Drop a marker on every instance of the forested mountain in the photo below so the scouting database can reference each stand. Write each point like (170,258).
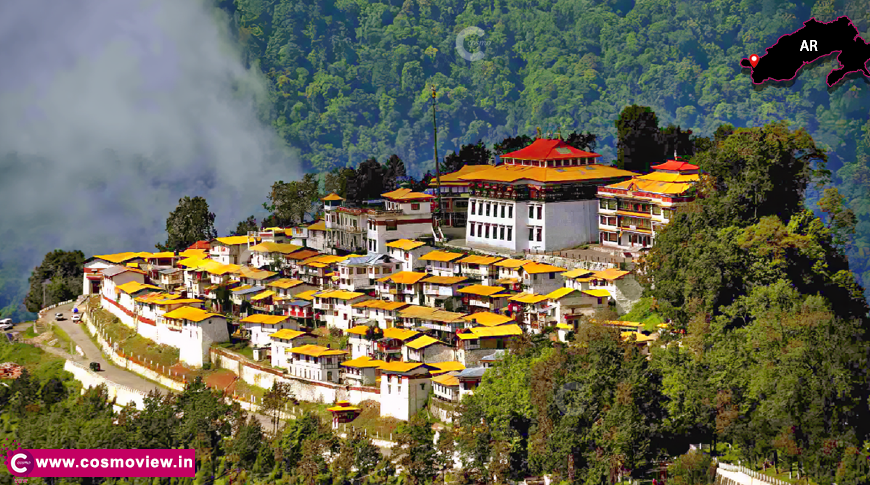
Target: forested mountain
(351,79)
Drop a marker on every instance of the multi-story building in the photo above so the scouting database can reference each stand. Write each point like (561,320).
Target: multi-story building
(317,236)
(454,195)
(621,285)
(271,254)
(317,363)
(384,312)
(540,278)
(407,215)
(192,331)
(543,197)
(285,339)
(482,298)
(480,268)
(442,263)
(361,273)
(405,387)
(404,286)
(335,307)
(409,253)
(232,249)
(441,291)
(632,212)
(478,342)
(261,327)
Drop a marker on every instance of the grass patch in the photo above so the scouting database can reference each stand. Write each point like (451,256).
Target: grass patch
(64,340)
(247,390)
(643,312)
(370,420)
(131,343)
(29,333)
(240,347)
(325,338)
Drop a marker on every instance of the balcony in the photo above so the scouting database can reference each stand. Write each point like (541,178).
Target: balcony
(377,213)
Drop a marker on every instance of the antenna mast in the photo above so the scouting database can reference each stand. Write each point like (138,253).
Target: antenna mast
(437,213)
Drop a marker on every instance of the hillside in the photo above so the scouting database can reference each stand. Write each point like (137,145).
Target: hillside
(350,79)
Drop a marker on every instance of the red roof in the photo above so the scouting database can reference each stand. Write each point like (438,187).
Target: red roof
(675,166)
(549,149)
(200,245)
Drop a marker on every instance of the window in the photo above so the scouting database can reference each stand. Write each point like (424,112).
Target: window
(603,220)
(471,225)
(472,207)
(487,209)
(552,276)
(360,271)
(392,225)
(531,234)
(502,211)
(540,233)
(656,210)
(510,229)
(531,212)
(510,212)
(487,232)
(415,207)
(539,212)
(479,230)
(501,233)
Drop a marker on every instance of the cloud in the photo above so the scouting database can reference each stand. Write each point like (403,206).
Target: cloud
(112,111)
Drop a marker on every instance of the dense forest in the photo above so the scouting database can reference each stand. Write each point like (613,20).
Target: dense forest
(351,80)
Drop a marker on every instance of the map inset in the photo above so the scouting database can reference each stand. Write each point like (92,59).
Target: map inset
(784,60)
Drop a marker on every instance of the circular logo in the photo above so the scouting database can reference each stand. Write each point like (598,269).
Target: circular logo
(20,463)
(565,399)
(460,43)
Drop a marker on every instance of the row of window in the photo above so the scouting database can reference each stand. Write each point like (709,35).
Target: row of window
(491,209)
(571,162)
(498,232)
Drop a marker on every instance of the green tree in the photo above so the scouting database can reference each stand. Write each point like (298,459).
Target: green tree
(476,154)
(275,401)
(692,468)
(191,221)
(62,270)
(415,450)
(289,202)
(639,140)
(245,446)
(249,224)
(336,181)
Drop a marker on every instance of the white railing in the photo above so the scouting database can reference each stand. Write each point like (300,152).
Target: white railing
(728,467)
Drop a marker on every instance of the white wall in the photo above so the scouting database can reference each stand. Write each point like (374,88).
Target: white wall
(403,403)
(516,223)
(569,224)
(122,394)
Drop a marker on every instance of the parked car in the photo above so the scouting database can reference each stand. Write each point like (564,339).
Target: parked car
(95,366)
(59,316)
(6,326)
(77,317)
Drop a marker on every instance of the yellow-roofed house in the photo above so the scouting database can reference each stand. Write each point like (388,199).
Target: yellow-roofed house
(317,363)
(360,273)
(623,289)
(446,392)
(427,349)
(260,327)
(270,255)
(404,286)
(335,307)
(480,268)
(408,252)
(442,291)
(442,322)
(317,236)
(405,388)
(408,215)
(94,266)
(542,198)
(285,339)
(232,249)
(531,310)
(482,298)
(192,331)
(541,278)
(632,212)
(361,371)
(569,305)
(478,342)
(384,312)
(149,308)
(442,263)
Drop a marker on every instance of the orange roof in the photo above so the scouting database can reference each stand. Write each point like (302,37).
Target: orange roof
(406,194)
(402,367)
(332,196)
(549,149)
(444,280)
(452,179)
(512,263)
(317,226)
(488,319)
(474,259)
(611,274)
(405,244)
(443,256)
(481,290)
(400,333)
(316,351)
(363,362)
(675,166)
(381,304)
(537,268)
(514,173)
(404,277)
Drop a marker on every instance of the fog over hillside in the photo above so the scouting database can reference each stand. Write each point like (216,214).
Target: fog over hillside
(112,111)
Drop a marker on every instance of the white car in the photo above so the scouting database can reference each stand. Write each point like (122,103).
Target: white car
(77,317)
(58,316)
(6,326)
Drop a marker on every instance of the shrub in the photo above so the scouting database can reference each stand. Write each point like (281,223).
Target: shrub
(693,468)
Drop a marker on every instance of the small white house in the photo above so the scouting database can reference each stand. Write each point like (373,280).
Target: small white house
(438,289)
(480,268)
(285,339)
(271,254)
(405,387)
(317,363)
(384,312)
(361,371)
(116,276)
(442,263)
(336,307)
(262,326)
(197,329)
(404,286)
(232,249)
(361,273)
(409,252)
(426,349)
(361,341)
(541,278)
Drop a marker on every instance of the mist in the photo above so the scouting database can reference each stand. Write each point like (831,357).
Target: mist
(112,111)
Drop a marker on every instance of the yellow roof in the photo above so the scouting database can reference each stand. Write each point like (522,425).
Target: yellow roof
(178,301)
(443,256)
(285,283)
(611,274)
(406,194)
(537,268)
(564,326)
(528,298)
(263,318)
(363,362)
(448,366)
(481,290)
(446,380)
(255,274)
(342,408)
(325,259)
(423,342)
(157,296)
(340,294)
(652,186)
(560,293)
(307,295)
(273,247)
(597,293)
(121,257)
(222,269)
(263,295)
(317,226)
(488,319)
(623,323)
(400,333)
(133,265)
(134,286)
(241,288)
(513,173)
(316,351)
(380,304)
(416,311)
(444,280)
(399,366)
(669,177)
(236,240)
(332,196)
(507,281)
(453,178)
(404,277)
(499,331)
(193,253)
(193,262)
(512,263)
(474,259)
(639,336)
(358,330)
(405,244)
(287,334)
(578,272)
(163,255)
(190,313)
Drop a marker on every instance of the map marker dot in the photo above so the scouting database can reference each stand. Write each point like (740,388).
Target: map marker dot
(753,59)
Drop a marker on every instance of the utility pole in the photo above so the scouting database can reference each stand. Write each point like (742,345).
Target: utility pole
(437,214)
